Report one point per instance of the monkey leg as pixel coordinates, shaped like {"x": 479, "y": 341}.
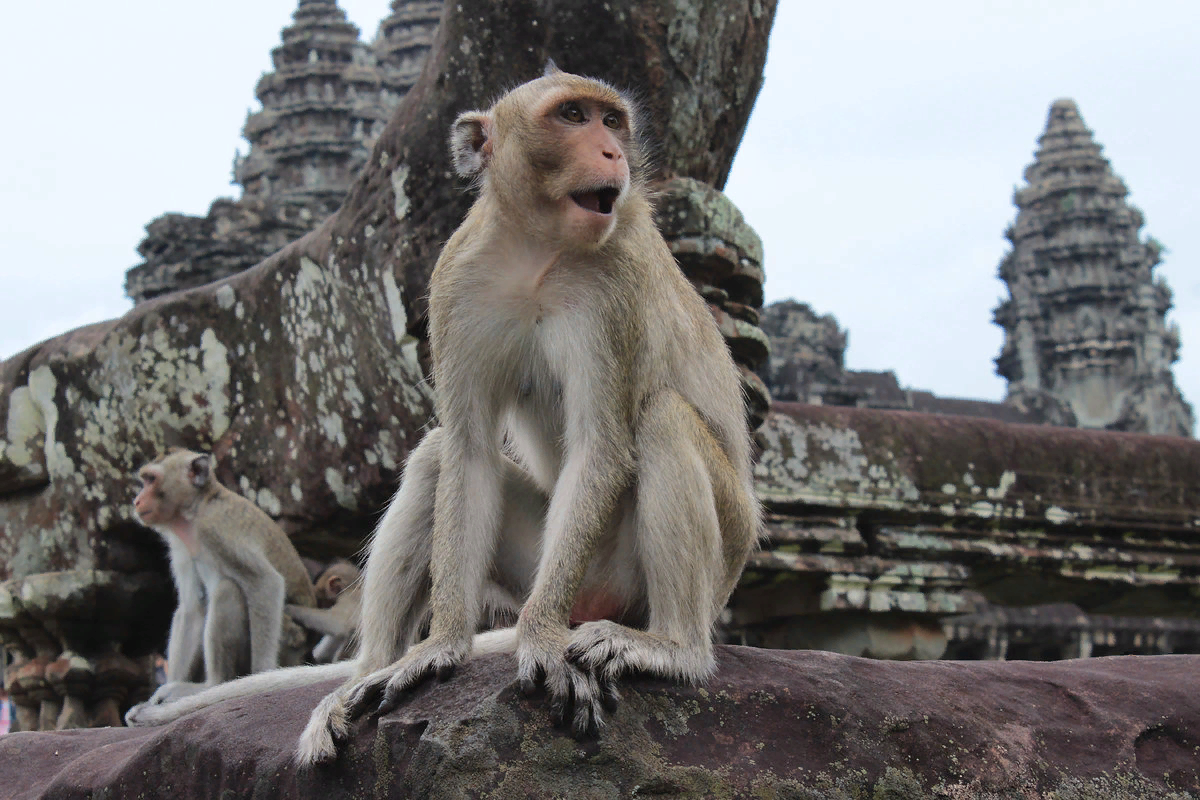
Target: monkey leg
{"x": 508, "y": 562}
{"x": 395, "y": 595}
{"x": 226, "y": 634}
{"x": 397, "y": 583}
{"x": 679, "y": 548}
{"x": 395, "y": 591}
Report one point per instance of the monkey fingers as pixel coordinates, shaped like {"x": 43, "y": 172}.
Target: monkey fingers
{"x": 582, "y": 708}
{"x": 576, "y": 696}
{"x": 388, "y": 685}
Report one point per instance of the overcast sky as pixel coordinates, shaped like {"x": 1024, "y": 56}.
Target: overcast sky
{"x": 878, "y": 166}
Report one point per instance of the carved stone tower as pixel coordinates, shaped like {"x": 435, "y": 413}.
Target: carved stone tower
{"x": 1086, "y": 340}
{"x": 402, "y": 44}
{"x": 323, "y": 107}
{"x": 321, "y": 114}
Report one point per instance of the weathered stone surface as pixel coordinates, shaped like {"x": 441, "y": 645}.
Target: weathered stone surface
{"x": 769, "y": 724}
{"x": 1086, "y": 339}
{"x": 882, "y": 522}
{"x": 723, "y": 257}
{"x": 1063, "y": 630}
{"x": 807, "y": 352}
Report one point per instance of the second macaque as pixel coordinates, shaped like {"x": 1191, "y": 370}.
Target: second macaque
{"x": 339, "y": 601}
{"x": 234, "y": 569}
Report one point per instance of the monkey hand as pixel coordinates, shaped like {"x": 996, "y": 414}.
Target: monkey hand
{"x": 143, "y": 713}
{"x": 577, "y": 698}
{"x": 385, "y": 687}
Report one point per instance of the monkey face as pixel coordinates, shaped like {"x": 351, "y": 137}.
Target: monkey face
{"x": 170, "y": 484}
{"x": 556, "y": 151}
{"x": 146, "y": 504}
{"x": 584, "y": 162}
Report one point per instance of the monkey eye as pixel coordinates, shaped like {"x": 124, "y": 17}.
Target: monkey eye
{"x": 571, "y": 112}
{"x": 612, "y": 120}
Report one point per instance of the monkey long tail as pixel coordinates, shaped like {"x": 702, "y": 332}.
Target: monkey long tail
{"x": 272, "y": 680}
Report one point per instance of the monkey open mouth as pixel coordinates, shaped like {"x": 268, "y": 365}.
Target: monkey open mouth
{"x": 599, "y": 200}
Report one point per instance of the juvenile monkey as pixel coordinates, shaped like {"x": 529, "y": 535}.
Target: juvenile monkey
{"x": 339, "y": 599}
{"x": 334, "y": 580}
{"x": 234, "y": 568}
{"x": 593, "y": 457}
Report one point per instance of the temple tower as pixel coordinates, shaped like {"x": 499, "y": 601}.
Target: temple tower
{"x": 323, "y": 107}
{"x": 1086, "y": 339}
{"x": 321, "y": 113}
{"x": 402, "y": 44}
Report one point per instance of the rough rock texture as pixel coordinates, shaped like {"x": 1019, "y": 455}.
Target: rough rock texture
{"x": 769, "y": 725}
{"x": 880, "y": 523}
{"x": 302, "y": 374}
{"x": 1086, "y": 340}
{"x": 808, "y": 353}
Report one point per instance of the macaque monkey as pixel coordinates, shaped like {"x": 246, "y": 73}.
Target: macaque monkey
{"x": 234, "y": 569}
{"x": 339, "y": 598}
{"x": 339, "y": 601}
{"x": 593, "y": 457}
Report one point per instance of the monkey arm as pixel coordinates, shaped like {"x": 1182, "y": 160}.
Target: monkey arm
{"x": 329, "y": 621}
{"x": 187, "y": 623}
{"x": 584, "y": 498}
{"x": 265, "y": 591}
{"x": 466, "y": 522}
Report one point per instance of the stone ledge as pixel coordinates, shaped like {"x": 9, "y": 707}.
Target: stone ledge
{"x": 769, "y": 724}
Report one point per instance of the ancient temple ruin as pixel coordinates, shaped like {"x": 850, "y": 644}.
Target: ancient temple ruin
{"x": 807, "y": 365}
{"x": 1086, "y": 342}
{"x": 323, "y": 107}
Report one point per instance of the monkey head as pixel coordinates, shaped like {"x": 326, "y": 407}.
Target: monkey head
{"x": 561, "y": 152}
{"x": 336, "y": 578}
{"x": 171, "y": 486}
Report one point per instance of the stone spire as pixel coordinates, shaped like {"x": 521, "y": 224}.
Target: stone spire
{"x": 320, "y": 117}
{"x": 323, "y": 107}
{"x": 402, "y": 44}
{"x": 1086, "y": 340}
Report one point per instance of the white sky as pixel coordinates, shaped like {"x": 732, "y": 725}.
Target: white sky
{"x": 878, "y": 166}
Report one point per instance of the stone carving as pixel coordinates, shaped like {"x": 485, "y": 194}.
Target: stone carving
{"x": 807, "y": 363}
{"x": 303, "y": 374}
{"x": 1063, "y": 630}
{"x": 883, "y": 523}
{"x": 802, "y": 725}
{"x": 1086, "y": 341}
{"x": 323, "y": 108}
{"x": 807, "y": 366}
{"x": 723, "y": 257}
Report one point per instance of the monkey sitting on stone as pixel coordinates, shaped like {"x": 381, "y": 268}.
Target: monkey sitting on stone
{"x": 234, "y": 569}
{"x": 339, "y": 598}
{"x": 593, "y": 456}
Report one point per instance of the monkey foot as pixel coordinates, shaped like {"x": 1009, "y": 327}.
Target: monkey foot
{"x": 608, "y": 651}
{"x": 385, "y": 687}
{"x": 578, "y": 698}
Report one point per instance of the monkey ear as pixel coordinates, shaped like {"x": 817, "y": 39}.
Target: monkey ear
{"x": 551, "y": 68}
{"x": 200, "y": 470}
{"x": 471, "y": 143}
{"x": 336, "y": 584}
